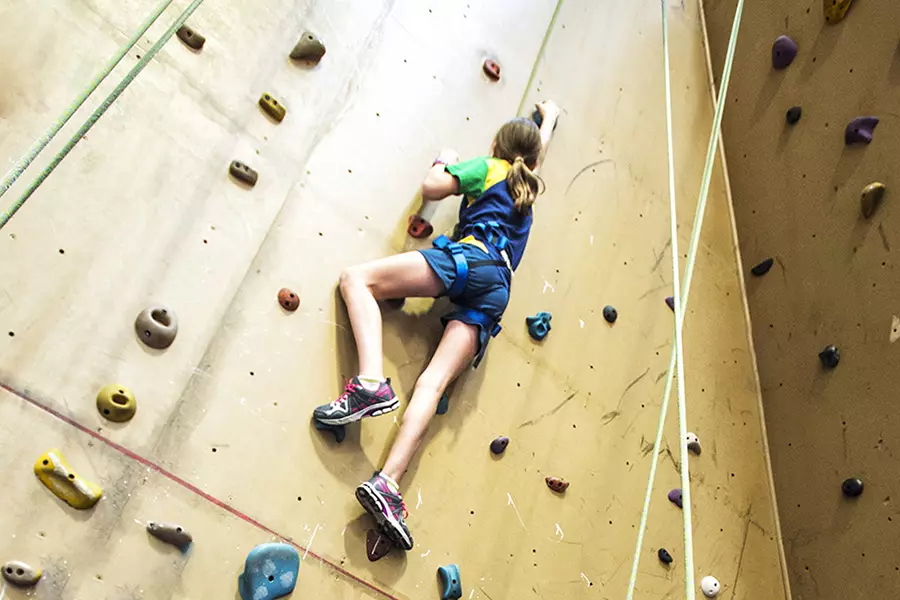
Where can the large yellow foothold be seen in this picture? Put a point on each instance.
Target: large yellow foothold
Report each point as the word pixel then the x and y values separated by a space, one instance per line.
pixel 54 472
pixel 871 198
pixel 835 10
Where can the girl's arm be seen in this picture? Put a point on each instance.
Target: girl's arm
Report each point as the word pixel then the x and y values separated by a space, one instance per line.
pixel 549 112
pixel 438 183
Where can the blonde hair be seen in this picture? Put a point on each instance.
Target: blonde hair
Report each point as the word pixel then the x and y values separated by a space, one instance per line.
pixel 519 142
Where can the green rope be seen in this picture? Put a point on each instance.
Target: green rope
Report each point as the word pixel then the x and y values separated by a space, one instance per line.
pixel 95 116
pixel 10 178
pixel 682 305
pixel 540 54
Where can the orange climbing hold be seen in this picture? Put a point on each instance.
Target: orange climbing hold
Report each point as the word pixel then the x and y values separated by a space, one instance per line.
pixel 288 299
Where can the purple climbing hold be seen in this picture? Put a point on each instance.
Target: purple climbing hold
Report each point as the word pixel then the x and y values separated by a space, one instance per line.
pixel 499 445
pixel 675 497
pixel 670 302
pixel 664 556
pixel 784 51
pixel 860 130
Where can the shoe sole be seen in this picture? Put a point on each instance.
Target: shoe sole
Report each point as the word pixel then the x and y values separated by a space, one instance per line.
pixel 371 501
pixel 370 411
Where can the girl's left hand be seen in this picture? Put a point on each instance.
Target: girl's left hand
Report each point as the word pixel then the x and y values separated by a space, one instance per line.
pixel 448 156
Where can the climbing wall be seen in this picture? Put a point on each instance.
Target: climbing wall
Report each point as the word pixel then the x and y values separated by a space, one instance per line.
pixel 834 280
pixel 143 211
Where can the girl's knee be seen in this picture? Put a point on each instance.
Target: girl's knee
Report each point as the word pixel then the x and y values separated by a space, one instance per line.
pixel 351 276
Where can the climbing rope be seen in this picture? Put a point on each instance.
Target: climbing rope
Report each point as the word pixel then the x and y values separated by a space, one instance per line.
pixel 19 167
pixel 99 112
pixel 681 306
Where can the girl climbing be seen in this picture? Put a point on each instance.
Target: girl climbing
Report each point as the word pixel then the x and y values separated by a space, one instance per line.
pixel 474 271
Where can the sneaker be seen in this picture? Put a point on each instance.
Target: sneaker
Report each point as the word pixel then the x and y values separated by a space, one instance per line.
pixel 387 508
pixel 357 402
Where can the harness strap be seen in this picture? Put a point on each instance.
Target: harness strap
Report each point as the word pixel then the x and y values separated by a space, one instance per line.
pixel 462 265
pixel 482 319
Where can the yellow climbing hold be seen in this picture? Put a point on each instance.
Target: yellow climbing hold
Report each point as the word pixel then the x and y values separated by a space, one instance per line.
pixel 54 472
pixel 835 10
pixel 871 198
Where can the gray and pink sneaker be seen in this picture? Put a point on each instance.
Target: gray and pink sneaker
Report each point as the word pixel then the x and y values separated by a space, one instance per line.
pixel 387 508
pixel 357 402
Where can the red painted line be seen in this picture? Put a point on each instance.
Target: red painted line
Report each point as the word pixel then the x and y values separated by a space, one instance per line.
pixel 192 488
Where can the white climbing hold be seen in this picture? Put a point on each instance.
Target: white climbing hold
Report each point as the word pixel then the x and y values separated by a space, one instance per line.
pixel 710 586
pixel 895 329
pixel 693 443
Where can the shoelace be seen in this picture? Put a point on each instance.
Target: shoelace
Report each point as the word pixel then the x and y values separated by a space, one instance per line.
pixel 348 389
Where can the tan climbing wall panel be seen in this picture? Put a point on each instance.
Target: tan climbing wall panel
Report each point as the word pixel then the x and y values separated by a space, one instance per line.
pixel 144 212
pixel 796 197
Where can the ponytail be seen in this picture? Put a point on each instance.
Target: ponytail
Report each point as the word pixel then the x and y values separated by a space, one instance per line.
pixel 524 186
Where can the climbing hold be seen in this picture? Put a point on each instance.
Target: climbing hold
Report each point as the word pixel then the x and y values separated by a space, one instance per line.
pixel 288 299
pixel 556 484
pixel 21 574
pixel 610 314
pixel 242 172
pixel 157 326
pixel 871 198
pixel 860 130
pixel 377 545
pixel 709 585
pixel 539 120
pixel 498 446
pixel 539 325
pixel 835 10
pixel 116 403
pixel 763 267
pixel 451 581
pixel 675 498
pixel 309 48
pixel 830 357
pixel 55 473
pixel 418 227
pixel 338 430
pixel 670 302
pixel 271 106
pixel 664 556
pixel 793 115
pixel 396 303
pixel 784 50
pixel 443 405
pixel 191 38
pixel 491 68
pixel 270 571
pixel 852 487
pixel 170 533
pixel 693 443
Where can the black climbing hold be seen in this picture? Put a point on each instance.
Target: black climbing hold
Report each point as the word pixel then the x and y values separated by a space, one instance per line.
pixel 339 431
pixel 675 497
pixel 191 38
pixel 670 302
pixel 244 173
pixel 830 357
pixel 852 487
pixel 784 50
pixel 763 267
pixel 499 445
pixel 377 545
pixel 610 314
pixel 538 325
pixel 444 404
pixel 793 115
pixel 664 556
pixel 860 130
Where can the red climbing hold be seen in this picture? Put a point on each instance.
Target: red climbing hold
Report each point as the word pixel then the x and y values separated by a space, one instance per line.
pixel 491 69
pixel 377 545
pixel 418 227
pixel 556 484
pixel 288 299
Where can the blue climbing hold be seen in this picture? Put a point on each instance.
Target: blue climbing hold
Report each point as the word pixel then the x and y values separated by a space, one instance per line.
pixel 538 325
pixel 270 571
pixel 451 582
pixel 444 405
pixel 339 431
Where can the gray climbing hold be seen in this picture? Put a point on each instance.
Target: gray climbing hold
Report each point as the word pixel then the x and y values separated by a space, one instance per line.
pixel 270 571
pixel 443 405
pixel 498 446
pixel 709 585
pixel 190 38
pixel 860 130
pixel 830 357
pixel 156 326
pixel 784 50
pixel 451 582
pixel 610 314
pixel 310 48
pixel 170 533
pixel 763 267
pixel 664 556
pixel 852 487
pixel 675 497
pixel 693 443
pixel 22 574
pixel 793 115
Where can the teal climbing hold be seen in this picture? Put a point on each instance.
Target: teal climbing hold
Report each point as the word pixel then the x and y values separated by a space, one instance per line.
pixel 539 325
pixel 444 405
pixel 270 571
pixel 451 582
pixel 338 430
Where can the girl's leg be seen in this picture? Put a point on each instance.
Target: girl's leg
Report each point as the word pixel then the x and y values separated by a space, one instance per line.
pixel 401 276
pixel 454 353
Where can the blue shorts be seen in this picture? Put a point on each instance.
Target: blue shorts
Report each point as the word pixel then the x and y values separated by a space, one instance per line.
pixel 487 287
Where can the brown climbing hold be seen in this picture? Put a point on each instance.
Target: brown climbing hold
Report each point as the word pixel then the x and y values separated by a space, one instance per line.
pixel 556 484
pixel 116 403
pixel 272 107
pixel 157 326
pixel 377 545
pixel 244 173
pixel 309 48
pixel 871 198
pixel 55 473
pixel 170 533
pixel 191 38
pixel 22 574
pixel 835 10
pixel 491 69
pixel 288 299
